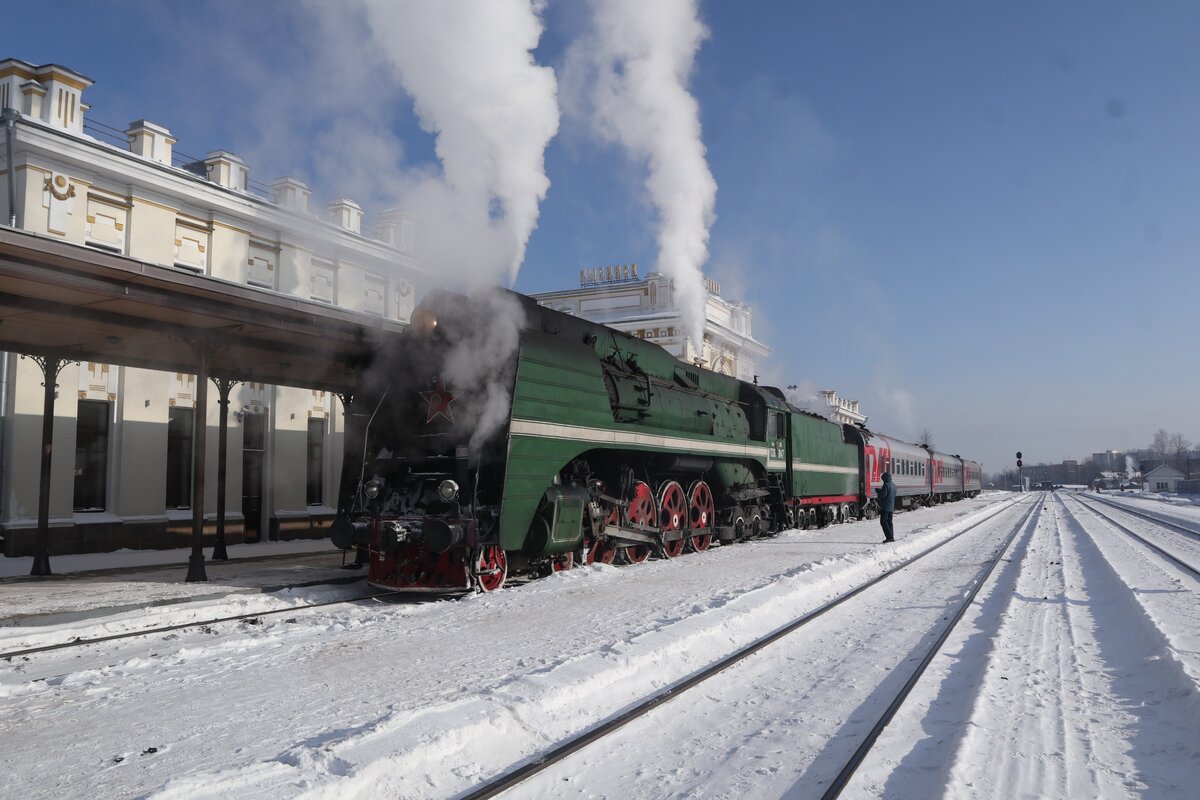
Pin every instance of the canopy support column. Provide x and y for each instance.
(223, 387)
(51, 366)
(196, 571)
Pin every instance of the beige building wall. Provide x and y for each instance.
(230, 247)
(290, 447)
(152, 231)
(141, 480)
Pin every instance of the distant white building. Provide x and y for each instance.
(1163, 478)
(839, 409)
(645, 307)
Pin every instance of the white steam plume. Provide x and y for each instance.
(481, 358)
(469, 68)
(804, 396)
(637, 59)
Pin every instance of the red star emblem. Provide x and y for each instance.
(439, 401)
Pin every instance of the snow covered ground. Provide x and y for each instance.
(1074, 674)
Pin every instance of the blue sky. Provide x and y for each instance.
(978, 219)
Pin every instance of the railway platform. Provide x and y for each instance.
(102, 584)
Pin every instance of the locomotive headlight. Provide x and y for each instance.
(373, 488)
(448, 490)
(424, 321)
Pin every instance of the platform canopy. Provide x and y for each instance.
(76, 302)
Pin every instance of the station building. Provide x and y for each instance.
(645, 306)
(121, 468)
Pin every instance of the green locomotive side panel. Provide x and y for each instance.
(561, 410)
(557, 382)
(823, 464)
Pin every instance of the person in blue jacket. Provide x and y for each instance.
(887, 506)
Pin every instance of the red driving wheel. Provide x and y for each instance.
(642, 511)
(701, 511)
(491, 568)
(672, 516)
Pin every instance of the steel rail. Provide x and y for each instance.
(864, 747)
(1128, 531)
(80, 642)
(1151, 517)
(510, 779)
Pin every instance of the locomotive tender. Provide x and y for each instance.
(503, 436)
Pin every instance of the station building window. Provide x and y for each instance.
(316, 461)
(91, 455)
(179, 458)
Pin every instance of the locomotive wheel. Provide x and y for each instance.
(672, 516)
(739, 528)
(491, 568)
(701, 512)
(642, 511)
(601, 552)
(562, 563)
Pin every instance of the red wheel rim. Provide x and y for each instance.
(672, 516)
(491, 568)
(562, 563)
(701, 511)
(642, 511)
(601, 552)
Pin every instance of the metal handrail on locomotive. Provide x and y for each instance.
(501, 437)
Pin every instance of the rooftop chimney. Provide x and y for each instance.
(226, 169)
(50, 92)
(150, 141)
(396, 228)
(347, 214)
(291, 194)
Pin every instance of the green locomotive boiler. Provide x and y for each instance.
(501, 437)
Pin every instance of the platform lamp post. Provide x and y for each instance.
(223, 387)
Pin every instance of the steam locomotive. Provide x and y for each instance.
(501, 437)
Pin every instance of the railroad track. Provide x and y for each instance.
(1192, 532)
(83, 641)
(511, 779)
(1108, 518)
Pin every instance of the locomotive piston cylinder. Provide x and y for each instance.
(346, 534)
(439, 535)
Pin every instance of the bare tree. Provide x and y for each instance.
(926, 439)
(1179, 447)
(1162, 443)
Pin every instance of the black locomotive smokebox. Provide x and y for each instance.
(439, 535)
